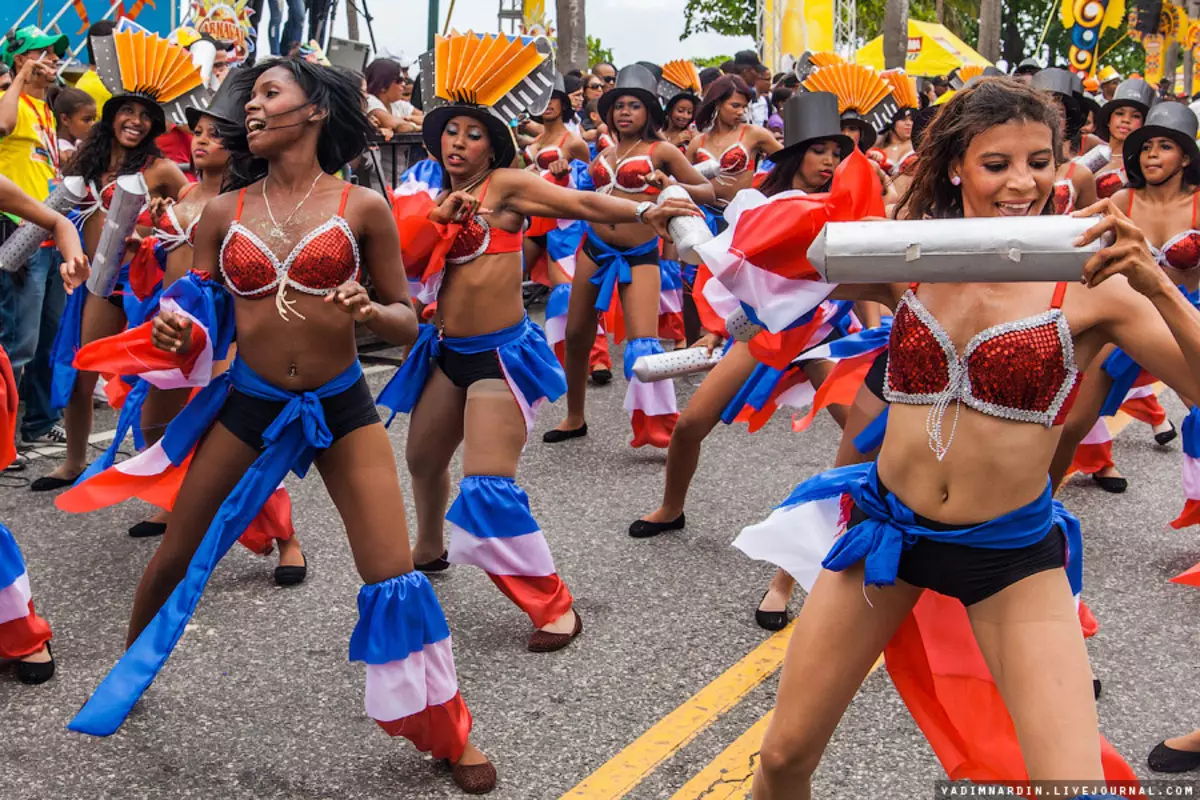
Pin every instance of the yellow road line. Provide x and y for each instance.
(730, 775)
(628, 768)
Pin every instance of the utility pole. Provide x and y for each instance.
(433, 23)
(572, 35)
(351, 20)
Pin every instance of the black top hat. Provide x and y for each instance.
(1056, 80)
(1173, 120)
(809, 117)
(222, 107)
(564, 97)
(1132, 93)
(1029, 66)
(867, 135)
(639, 82)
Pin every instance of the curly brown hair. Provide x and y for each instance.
(986, 104)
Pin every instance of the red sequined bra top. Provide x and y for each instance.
(1182, 251)
(323, 260)
(1064, 192)
(547, 155)
(628, 176)
(478, 238)
(734, 161)
(1023, 370)
(1110, 183)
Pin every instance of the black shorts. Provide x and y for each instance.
(968, 573)
(248, 417)
(874, 380)
(463, 369)
(591, 251)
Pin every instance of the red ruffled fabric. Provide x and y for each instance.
(439, 730)
(145, 273)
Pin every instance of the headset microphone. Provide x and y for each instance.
(284, 114)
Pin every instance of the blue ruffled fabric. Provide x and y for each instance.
(12, 563)
(755, 391)
(670, 274)
(563, 242)
(613, 266)
(635, 349)
(492, 507)
(396, 618)
(129, 419)
(871, 436)
(1124, 371)
(559, 301)
(523, 350)
(66, 345)
(292, 441)
(426, 171)
(581, 178)
(891, 526)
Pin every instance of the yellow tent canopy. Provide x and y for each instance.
(932, 50)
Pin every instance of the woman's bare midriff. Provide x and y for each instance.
(726, 186)
(481, 296)
(295, 354)
(993, 466)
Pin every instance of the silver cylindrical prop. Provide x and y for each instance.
(27, 238)
(129, 197)
(740, 327)
(1096, 158)
(661, 366)
(709, 169)
(688, 232)
(991, 250)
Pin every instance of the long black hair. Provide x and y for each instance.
(721, 90)
(336, 91)
(91, 158)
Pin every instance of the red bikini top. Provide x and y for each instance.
(1182, 251)
(170, 234)
(323, 260)
(478, 238)
(1110, 183)
(96, 200)
(1023, 370)
(547, 155)
(1064, 192)
(734, 160)
(629, 176)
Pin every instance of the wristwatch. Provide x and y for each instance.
(641, 209)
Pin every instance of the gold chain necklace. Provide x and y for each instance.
(277, 232)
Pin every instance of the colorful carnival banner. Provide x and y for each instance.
(78, 15)
(1086, 21)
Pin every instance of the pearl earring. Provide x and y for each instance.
(957, 181)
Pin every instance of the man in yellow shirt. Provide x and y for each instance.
(31, 299)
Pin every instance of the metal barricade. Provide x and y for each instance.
(404, 149)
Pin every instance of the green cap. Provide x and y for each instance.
(31, 37)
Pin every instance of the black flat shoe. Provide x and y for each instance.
(1096, 687)
(1111, 485)
(1164, 759)
(644, 529)
(1166, 437)
(32, 673)
(439, 564)
(555, 436)
(147, 529)
(49, 483)
(291, 575)
(602, 377)
(770, 620)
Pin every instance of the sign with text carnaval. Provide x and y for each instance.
(154, 15)
(1086, 21)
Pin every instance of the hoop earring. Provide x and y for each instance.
(957, 181)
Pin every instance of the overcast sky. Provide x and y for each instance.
(635, 30)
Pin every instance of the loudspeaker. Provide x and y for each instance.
(348, 54)
(1146, 14)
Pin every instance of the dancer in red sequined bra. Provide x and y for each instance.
(953, 531)
(121, 143)
(1118, 118)
(734, 144)
(477, 376)
(1163, 164)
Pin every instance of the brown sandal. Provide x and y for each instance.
(474, 778)
(546, 642)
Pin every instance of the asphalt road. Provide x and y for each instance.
(260, 701)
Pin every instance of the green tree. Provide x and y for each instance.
(597, 52)
(728, 17)
(715, 61)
